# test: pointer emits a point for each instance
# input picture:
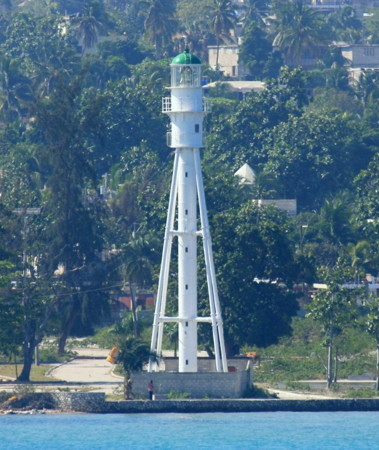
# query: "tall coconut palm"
(88, 30)
(160, 24)
(297, 28)
(223, 19)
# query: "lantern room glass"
(185, 75)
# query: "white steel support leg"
(217, 327)
(160, 307)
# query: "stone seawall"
(245, 405)
(95, 403)
(79, 401)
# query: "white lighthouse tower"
(186, 108)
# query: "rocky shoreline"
(42, 403)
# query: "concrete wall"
(198, 385)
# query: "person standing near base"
(150, 389)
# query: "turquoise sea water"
(280, 430)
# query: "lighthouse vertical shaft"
(187, 262)
(186, 109)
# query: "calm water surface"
(280, 430)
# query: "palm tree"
(223, 19)
(335, 219)
(367, 90)
(15, 90)
(133, 355)
(198, 38)
(254, 11)
(346, 25)
(89, 28)
(138, 271)
(160, 24)
(297, 28)
(360, 256)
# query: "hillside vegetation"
(85, 170)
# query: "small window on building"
(186, 362)
(197, 128)
(233, 71)
(369, 51)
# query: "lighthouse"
(186, 108)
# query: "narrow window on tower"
(186, 212)
(186, 362)
(186, 174)
(186, 249)
(186, 324)
(186, 287)
(197, 128)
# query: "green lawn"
(302, 356)
(37, 373)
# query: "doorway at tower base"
(231, 384)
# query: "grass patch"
(281, 369)
(361, 393)
(302, 356)
(178, 395)
(36, 374)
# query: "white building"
(227, 60)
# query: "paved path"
(85, 371)
(90, 369)
(289, 395)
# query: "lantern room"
(186, 70)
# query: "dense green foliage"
(85, 170)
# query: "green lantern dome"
(186, 58)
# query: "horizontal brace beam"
(185, 233)
(184, 319)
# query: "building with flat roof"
(227, 60)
